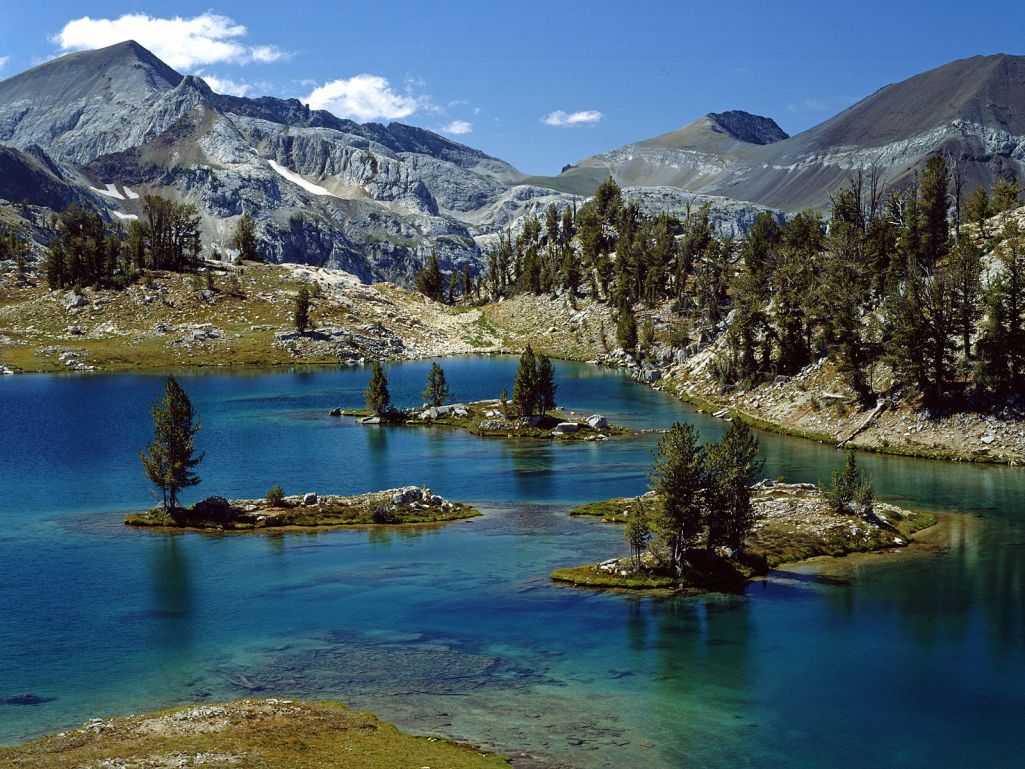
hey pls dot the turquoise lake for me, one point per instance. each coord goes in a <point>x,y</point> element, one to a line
<point>906,660</point>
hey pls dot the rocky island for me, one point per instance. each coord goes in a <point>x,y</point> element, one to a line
<point>792,522</point>
<point>407,505</point>
<point>490,419</point>
<point>244,733</point>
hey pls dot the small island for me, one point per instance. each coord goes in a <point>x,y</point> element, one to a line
<point>245,733</point>
<point>492,419</point>
<point>703,527</point>
<point>531,413</point>
<point>408,505</point>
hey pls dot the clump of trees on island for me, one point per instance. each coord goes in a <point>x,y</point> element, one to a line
<point>703,498</point>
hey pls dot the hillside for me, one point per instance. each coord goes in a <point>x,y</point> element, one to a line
<point>972,110</point>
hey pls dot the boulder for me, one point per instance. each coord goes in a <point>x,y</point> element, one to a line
<point>564,428</point>
<point>74,331</point>
<point>214,509</point>
<point>370,421</point>
<point>309,498</point>
<point>73,299</point>
<point>337,412</point>
<point>597,421</point>
<point>533,421</point>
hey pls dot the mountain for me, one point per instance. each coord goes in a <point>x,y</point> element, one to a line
<point>116,124</point>
<point>972,111</point>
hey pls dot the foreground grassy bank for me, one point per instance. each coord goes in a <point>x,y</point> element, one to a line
<point>794,523</point>
<point>408,505</point>
<point>257,734</point>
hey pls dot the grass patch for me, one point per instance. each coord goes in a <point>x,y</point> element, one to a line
<point>247,733</point>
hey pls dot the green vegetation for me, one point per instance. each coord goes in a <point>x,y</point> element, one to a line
<point>252,733</point>
<point>275,496</point>
<point>534,386</point>
<point>436,392</point>
<point>376,508</point>
<point>703,514</point>
<point>301,313</point>
<point>429,280</point>
<point>172,457</point>
<point>376,395</point>
<point>245,239</point>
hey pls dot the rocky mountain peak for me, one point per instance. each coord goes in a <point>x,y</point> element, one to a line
<point>745,127</point>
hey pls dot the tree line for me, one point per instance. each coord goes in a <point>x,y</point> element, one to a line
<point>891,277</point>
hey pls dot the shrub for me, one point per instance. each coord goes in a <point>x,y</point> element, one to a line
<point>382,512</point>
<point>276,495</point>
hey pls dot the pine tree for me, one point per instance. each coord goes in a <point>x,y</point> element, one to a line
<point>376,395</point>
<point>849,486</point>
<point>429,280</point>
<point>679,479</point>
<point>732,464</point>
<point>245,239</point>
<point>978,209</point>
<point>1002,347</point>
<point>301,313</point>
<point>637,533</point>
<point>626,330</point>
<point>436,392</point>
<point>933,205</point>
<point>1003,195</point>
<point>963,273</point>
<point>545,385</point>
<point>525,388</point>
<point>171,457</point>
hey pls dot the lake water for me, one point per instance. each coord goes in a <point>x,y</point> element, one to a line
<point>914,659</point>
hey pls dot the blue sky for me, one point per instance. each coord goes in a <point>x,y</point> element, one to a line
<point>539,84</point>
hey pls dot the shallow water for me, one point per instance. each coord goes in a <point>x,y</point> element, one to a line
<point>909,660</point>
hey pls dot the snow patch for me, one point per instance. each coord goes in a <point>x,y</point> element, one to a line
<point>110,192</point>
<point>120,215</point>
<point>298,180</point>
<point>129,194</point>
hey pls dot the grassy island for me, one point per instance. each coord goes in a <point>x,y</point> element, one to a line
<point>491,419</point>
<point>253,733</point>
<point>408,505</point>
<point>792,522</point>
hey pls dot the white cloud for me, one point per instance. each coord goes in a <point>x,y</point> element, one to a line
<point>4,60</point>
<point>227,86</point>
<point>458,127</point>
<point>183,43</point>
<point>363,98</point>
<point>563,119</point>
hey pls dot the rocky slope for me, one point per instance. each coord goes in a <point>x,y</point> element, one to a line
<point>117,123</point>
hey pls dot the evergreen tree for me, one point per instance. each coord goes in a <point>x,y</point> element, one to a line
<point>626,330</point>
<point>850,486</point>
<point>245,239</point>
<point>732,464</point>
<point>637,533</point>
<point>172,231</point>
<point>963,273</point>
<point>679,479</point>
<point>376,395</point>
<point>545,385</point>
<point>1002,347</point>
<point>436,392</point>
<point>978,209</point>
<point>429,280</point>
<point>934,203</point>
<point>525,387</point>
<point>301,313</point>
<point>171,457</point>
<point>1003,195</point>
